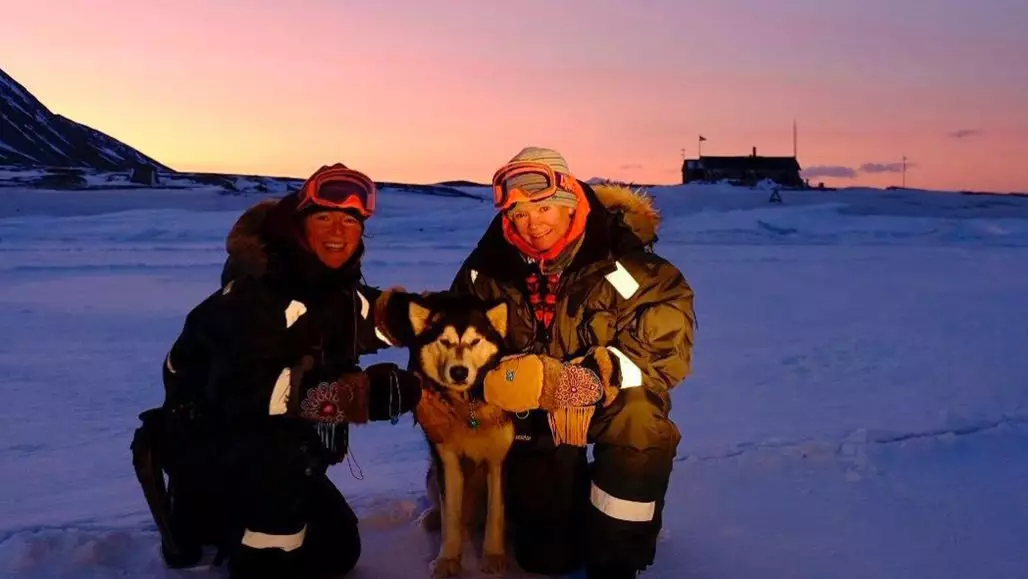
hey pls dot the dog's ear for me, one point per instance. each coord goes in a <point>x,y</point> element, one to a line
<point>419,316</point>
<point>498,318</point>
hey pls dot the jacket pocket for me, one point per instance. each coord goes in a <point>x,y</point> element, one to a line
<point>598,328</point>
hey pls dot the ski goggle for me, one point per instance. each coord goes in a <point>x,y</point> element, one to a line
<point>337,187</point>
<point>529,181</point>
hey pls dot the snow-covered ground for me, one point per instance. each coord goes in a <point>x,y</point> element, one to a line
<point>858,407</point>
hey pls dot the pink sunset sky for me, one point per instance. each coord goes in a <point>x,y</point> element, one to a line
<point>423,91</point>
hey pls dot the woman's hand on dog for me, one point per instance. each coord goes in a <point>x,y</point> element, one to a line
<point>393,391</point>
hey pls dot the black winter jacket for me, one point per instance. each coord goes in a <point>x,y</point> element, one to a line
<point>236,361</point>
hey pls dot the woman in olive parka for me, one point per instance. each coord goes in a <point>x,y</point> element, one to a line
<point>575,263</point>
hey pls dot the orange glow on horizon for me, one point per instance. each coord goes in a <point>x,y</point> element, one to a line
<point>417,93</point>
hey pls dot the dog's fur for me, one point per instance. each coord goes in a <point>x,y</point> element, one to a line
<point>456,339</point>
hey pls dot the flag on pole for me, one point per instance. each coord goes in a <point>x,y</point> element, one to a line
<point>702,138</point>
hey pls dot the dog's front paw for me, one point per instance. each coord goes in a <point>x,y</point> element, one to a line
<point>493,563</point>
<point>446,567</point>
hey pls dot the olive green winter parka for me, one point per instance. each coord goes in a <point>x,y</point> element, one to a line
<point>615,292</point>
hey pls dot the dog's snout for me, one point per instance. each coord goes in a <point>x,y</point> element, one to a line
<point>459,374</point>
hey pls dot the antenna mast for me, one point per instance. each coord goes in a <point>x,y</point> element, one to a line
<point>794,138</point>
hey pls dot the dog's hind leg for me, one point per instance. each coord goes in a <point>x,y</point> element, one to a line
<point>494,556</point>
<point>448,563</point>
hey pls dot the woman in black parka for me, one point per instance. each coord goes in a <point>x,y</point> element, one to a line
<point>263,382</point>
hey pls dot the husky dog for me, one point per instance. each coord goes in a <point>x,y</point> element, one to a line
<point>456,340</point>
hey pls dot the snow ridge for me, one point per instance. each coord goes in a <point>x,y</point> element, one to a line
<point>860,437</point>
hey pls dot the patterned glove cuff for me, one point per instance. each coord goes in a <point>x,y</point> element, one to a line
<point>576,386</point>
<point>344,400</point>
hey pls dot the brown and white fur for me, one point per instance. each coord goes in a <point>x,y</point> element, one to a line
<point>456,340</point>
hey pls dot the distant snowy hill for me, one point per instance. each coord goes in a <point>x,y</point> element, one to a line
<point>32,135</point>
<point>86,179</point>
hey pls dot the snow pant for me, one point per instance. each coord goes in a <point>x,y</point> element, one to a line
<point>275,511</point>
<point>565,513</point>
<point>314,537</point>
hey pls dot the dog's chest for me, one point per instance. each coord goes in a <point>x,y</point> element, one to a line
<point>489,443</point>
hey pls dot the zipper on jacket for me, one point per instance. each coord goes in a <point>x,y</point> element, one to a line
<point>354,350</point>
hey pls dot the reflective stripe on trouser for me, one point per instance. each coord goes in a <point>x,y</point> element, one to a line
<point>274,491</point>
<point>289,542</point>
<point>621,509</point>
<point>327,544</point>
<point>634,452</point>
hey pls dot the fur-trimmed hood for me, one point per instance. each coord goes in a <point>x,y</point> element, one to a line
<point>621,220</point>
<point>636,208</point>
<point>268,236</point>
<point>269,225</point>
<point>247,241</point>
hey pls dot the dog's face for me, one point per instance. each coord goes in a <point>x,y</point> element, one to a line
<point>457,339</point>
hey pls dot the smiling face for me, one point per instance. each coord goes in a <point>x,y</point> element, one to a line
<point>333,236</point>
<point>542,225</point>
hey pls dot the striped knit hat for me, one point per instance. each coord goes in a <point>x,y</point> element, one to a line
<point>537,182</point>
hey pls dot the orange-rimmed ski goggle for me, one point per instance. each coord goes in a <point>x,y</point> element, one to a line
<point>337,187</point>
<point>529,181</point>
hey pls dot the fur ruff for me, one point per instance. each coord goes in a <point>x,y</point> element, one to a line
<point>636,207</point>
<point>246,245</point>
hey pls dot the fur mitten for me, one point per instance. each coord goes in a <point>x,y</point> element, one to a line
<point>516,384</point>
<point>567,392</point>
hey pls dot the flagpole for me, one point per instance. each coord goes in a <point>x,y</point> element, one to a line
<point>794,138</point>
